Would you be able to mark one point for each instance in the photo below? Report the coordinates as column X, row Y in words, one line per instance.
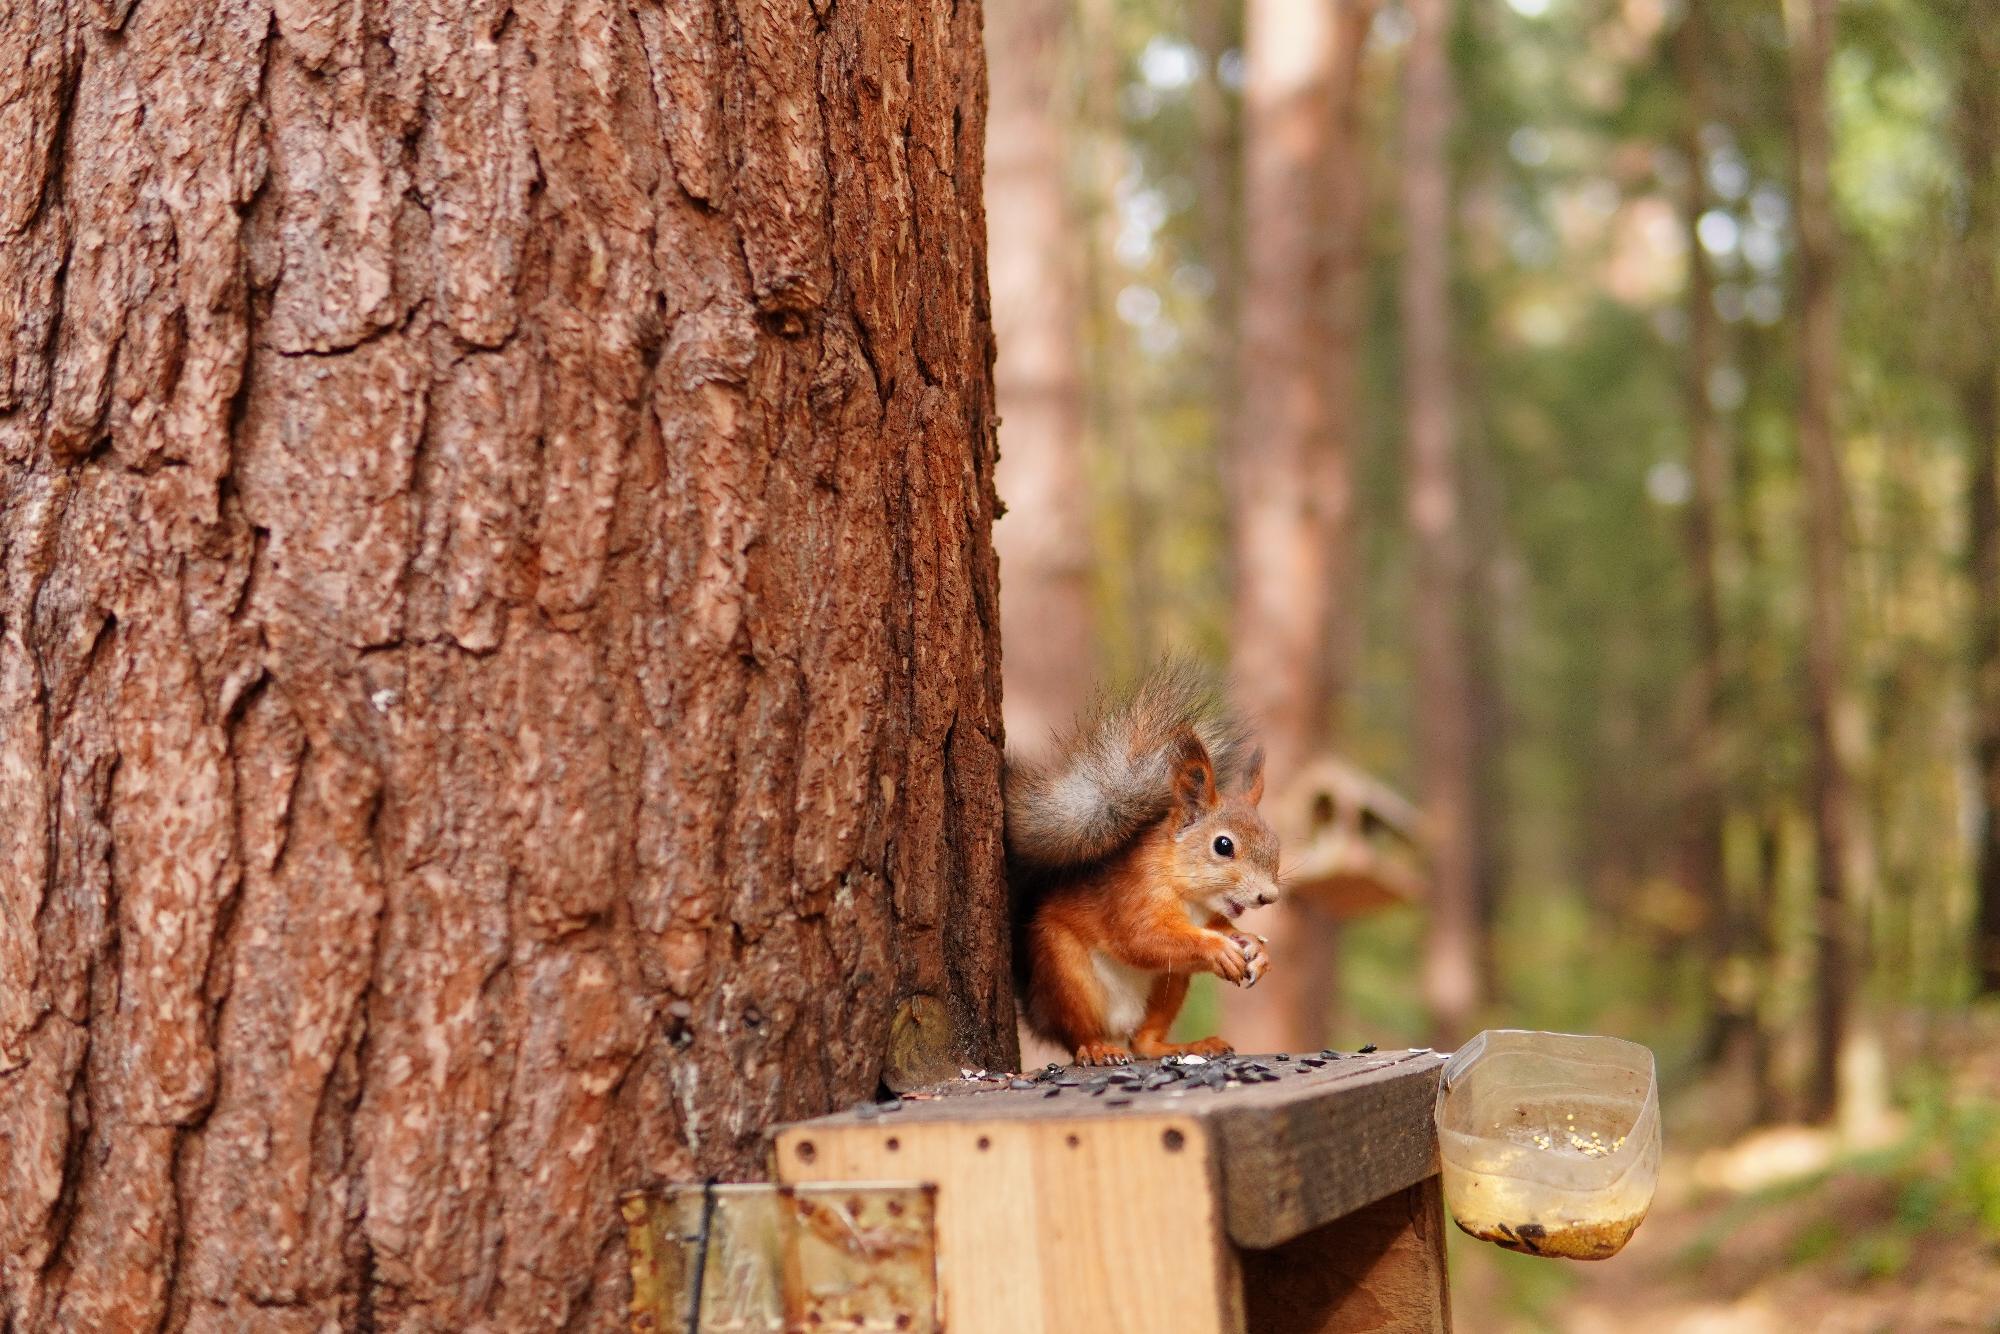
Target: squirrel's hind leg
column 1066, row 1000
column 1163, row 1006
column 1102, row 1053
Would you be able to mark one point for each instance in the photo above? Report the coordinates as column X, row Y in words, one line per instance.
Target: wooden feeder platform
column 1266, row 1193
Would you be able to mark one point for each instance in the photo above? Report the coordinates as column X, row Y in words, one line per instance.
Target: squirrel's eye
column 1224, row 846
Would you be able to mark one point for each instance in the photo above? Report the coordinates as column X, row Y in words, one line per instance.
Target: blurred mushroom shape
column 1353, row 846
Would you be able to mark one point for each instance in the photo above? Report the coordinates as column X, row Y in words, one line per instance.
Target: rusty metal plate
column 761, row 1259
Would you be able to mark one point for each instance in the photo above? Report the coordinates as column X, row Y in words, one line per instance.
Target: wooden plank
column 1380, row 1270
column 993, row 1098
column 764, row 1259
column 1048, row 1222
column 1313, row 1144
column 1296, row 1158
column 1107, row 1207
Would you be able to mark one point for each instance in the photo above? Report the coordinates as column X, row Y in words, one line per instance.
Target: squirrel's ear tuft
column 1253, row 787
column 1194, row 778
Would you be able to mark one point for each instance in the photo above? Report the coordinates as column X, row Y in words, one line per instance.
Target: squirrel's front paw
column 1256, row 962
column 1225, row 957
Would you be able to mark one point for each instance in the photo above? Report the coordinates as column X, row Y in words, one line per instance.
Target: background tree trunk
column 1705, row 807
column 1045, row 539
column 500, row 689
column 1979, row 396
column 1289, row 484
column 1769, row 690
column 1214, row 27
column 1446, row 759
column 1349, row 192
column 1128, row 639
column 1291, row 477
column 1488, row 593
column 1835, row 720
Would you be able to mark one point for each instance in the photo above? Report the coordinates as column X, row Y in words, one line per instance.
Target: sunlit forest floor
column 1787, row 1229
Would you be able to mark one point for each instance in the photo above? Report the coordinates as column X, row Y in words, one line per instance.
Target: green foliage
column 1575, row 144
column 1378, row 964
column 1528, row 1290
column 1572, row 160
column 1949, row 1169
column 1201, row 1015
column 1817, row 1240
column 1870, row 1216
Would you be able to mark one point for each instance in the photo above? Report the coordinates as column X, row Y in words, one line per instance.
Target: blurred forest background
column 1581, row 415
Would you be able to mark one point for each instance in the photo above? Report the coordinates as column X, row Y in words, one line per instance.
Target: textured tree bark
column 1291, row 478
column 1446, row 759
column 1979, row 397
column 498, row 639
column 1044, row 540
column 1840, row 855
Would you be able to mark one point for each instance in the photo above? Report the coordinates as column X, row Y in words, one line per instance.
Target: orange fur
column 1110, row 946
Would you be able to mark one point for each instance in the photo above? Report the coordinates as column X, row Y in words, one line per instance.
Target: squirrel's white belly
column 1125, row 991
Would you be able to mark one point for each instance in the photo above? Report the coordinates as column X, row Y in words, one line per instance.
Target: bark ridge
column 498, row 636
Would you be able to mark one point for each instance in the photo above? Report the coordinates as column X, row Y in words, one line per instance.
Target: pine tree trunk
column 1349, row 197
column 1705, row 809
column 1218, row 180
column 1769, row 688
column 1487, row 595
column 1129, row 642
column 1834, row 712
column 1044, row 540
column 1446, row 758
column 1289, row 485
column 1979, row 397
column 1767, row 1098
column 498, row 640
column 1291, row 480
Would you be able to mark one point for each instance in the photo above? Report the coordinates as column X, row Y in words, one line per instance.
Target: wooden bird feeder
column 1276, row 1195
column 1352, row 842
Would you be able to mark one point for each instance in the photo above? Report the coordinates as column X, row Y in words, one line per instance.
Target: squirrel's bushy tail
column 1111, row 775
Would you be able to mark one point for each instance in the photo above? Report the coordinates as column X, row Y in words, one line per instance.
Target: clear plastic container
column 1550, row 1141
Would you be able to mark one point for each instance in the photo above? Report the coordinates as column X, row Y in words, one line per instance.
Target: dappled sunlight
column 1651, row 573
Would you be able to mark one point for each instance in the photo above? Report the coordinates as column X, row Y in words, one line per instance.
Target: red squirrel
column 1129, row 854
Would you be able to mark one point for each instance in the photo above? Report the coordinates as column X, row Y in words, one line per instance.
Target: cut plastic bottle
column 1550, row 1141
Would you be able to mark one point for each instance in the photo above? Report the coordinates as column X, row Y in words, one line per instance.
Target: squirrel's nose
column 1265, row 898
